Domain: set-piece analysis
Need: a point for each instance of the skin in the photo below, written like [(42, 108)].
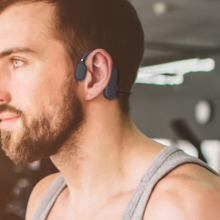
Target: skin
[(100, 151), (49, 108)]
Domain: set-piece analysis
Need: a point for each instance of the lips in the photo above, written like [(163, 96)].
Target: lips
[(7, 120), (7, 116)]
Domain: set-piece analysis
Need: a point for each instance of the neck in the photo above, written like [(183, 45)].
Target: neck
[(105, 155)]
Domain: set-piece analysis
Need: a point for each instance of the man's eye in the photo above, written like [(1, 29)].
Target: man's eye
[(17, 63)]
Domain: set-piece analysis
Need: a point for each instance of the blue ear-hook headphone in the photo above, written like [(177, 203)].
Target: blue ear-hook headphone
[(111, 89)]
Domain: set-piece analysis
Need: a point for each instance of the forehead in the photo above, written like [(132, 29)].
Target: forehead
[(26, 25)]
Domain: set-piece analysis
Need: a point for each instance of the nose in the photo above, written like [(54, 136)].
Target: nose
[(4, 97)]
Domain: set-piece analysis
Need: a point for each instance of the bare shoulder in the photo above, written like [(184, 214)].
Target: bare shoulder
[(37, 194), (192, 195)]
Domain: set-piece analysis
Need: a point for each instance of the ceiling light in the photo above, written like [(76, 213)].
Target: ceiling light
[(203, 112), (154, 74), (160, 8)]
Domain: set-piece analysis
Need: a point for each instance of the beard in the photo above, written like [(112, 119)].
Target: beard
[(48, 134)]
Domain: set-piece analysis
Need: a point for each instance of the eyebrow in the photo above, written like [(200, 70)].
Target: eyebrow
[(15, 50)]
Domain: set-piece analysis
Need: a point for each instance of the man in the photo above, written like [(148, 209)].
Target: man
[(99, 152)]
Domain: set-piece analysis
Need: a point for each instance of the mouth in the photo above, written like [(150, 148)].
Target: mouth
[(6, 123)]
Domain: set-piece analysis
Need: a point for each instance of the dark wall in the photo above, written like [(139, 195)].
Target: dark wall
[(154, 107)]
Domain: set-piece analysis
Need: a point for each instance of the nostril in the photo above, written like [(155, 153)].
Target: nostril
[(4, 97)]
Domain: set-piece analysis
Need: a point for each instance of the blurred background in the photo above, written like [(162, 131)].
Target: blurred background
[(176, 97)]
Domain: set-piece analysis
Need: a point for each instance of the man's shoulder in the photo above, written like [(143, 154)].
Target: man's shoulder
[(185, 196), (37, 194)]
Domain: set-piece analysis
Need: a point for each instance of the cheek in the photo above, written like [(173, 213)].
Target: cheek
[(31, 95), (38, 86), (26, 98)]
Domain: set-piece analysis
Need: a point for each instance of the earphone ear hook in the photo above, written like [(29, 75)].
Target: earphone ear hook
[(121, 90), (111, 89)]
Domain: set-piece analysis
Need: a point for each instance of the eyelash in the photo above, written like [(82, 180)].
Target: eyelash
[(13, 60)]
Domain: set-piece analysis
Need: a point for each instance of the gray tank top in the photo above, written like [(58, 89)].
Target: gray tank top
[(168, 159)]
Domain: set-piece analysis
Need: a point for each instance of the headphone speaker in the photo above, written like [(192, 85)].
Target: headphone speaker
[(111, 89)]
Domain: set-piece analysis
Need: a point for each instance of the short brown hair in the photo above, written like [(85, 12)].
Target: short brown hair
[(113, 25)]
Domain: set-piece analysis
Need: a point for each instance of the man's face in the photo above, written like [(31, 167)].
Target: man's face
[(38, 86)]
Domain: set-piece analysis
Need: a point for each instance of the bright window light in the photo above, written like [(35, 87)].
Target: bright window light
[(161, 80), (211, 150), (155, 74), (165, 142)]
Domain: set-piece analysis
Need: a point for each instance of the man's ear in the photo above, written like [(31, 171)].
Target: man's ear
[(99, 69)]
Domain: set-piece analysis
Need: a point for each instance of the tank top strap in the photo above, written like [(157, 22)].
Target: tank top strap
[(167, 160), (49, 198)]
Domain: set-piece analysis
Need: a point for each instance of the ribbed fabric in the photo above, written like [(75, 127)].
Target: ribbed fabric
[(167, 160), (49, 198)]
